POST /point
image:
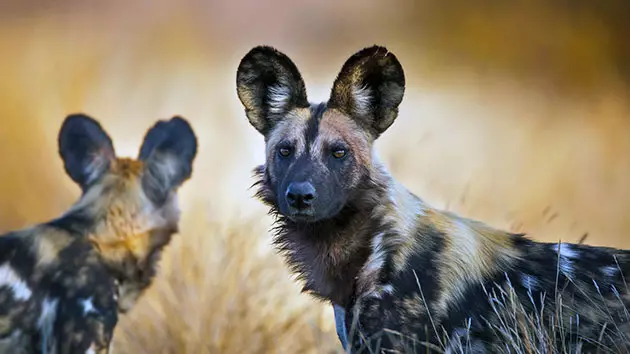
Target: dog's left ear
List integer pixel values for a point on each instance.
(168, 150)
(369, 89)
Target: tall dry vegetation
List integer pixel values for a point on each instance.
(535, 145)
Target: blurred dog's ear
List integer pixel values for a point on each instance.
(269, 85)
(86, 149)
(369, 88)
(168, 150)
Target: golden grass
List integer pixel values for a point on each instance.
(217, 294)
(484, 145)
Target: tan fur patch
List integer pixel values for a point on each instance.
(413, 307)
(47, 248)
(337, 126)
(405, 214)
(128, 216)
(126, 168)
(135, 244)
(290, 129)
(472, 252)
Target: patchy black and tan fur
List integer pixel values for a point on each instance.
(409, 276)
(63, 282)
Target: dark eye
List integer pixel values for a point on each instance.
(284, 151)
(339, 153)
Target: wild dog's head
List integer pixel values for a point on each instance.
(318, 155)
(128, 206)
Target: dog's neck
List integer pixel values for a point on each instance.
(331, 256)
(131, 261)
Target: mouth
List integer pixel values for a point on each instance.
(307, 215)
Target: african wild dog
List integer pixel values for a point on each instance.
(398, 271)
(63, 282)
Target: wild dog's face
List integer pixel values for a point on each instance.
(130, 204)
(318, 155)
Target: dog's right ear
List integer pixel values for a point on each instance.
(269, 85)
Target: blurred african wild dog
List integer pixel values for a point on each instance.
(405, 275)
(63, 282)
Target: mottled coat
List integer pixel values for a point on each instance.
(63, 282)
(402, 275)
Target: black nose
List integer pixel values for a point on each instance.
(301, 195)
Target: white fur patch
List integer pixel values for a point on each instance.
(95, 168)
(46, 320)
(169, 166)
(362, 97)
(565, 250)
(279, 97)
(377, 258)
(9, 278)
(373, 266)
(530, 282)
(410, 206)
(388, 289)
(566, 254)
(88, 306)
(117, 287)
(610, 271)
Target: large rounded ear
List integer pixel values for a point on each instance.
(168, 150)
(369, 88)
(269, 85)
(86, 149)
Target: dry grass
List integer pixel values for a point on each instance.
(519, 152)
(217, 294)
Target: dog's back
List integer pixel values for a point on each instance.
(466, 287)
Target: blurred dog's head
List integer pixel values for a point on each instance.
(131, 204)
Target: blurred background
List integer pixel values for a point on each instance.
(516, 113)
